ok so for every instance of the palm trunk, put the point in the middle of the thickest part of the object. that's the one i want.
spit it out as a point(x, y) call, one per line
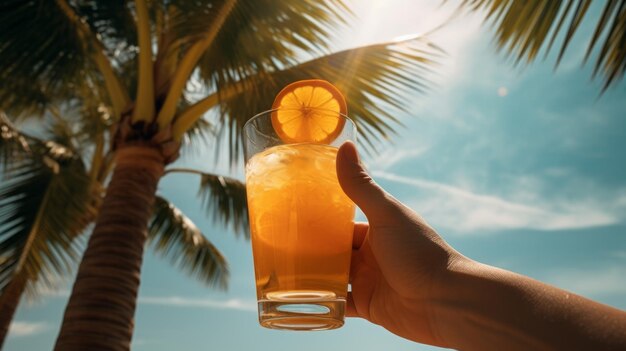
point(100, 312)
point(8, 304)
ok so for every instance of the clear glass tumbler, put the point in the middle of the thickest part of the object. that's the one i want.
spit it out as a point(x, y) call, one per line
point(301, 225)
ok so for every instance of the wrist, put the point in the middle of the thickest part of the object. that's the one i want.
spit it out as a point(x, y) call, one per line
point(444, 296)
point(473, 306)
point(480, 307)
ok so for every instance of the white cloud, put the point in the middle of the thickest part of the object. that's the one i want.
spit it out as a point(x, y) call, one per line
point(451, 207)
point(388, 158)
point(594, 283)
point(19, 329)
point(178, 301)
point(619, 254)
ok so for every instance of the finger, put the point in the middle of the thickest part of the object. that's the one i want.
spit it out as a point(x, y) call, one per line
point(351, 307)
point(360, 187)
point(360, 231)
point(356, 261)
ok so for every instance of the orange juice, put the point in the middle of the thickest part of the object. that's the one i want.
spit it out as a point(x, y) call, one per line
point(301, 224)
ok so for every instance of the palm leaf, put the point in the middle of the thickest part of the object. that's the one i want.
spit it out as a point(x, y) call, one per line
point(112, 20)
point(45, 45)
point(375, 79)
point(256, 35)
point(230, 40)
point(268, 35)
point(225, 201)
point(45, 204)
point(14, 145)
point(174, 235)
point(253, 27)
point(201, 134)
point(524, 27)
point(41, 47)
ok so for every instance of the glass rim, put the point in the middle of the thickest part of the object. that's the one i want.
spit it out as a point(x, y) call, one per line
point(266, 112)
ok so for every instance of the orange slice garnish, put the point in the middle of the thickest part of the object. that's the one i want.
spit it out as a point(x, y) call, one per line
point(309, 111)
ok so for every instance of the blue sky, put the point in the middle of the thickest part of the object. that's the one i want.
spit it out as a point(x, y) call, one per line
point(522, 168)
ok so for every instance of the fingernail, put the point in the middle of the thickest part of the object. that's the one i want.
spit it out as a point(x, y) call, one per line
point(351, 152)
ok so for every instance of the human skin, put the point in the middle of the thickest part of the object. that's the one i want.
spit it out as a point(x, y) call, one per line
point(407, 279)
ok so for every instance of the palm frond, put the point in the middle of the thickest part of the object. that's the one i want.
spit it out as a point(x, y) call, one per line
point(280, 30)
point(49, 56)
point(88, 121)
point(256, 36)
point(265, 22)
point(375, 79)
point(201, 134)
point(524, 27)
point(225, 201)
point(112, 20)
point(14, 146)
point(45, 204)
point(41, 54)
point(173, 235)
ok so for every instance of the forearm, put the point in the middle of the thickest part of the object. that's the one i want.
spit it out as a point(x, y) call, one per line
point(484, 308)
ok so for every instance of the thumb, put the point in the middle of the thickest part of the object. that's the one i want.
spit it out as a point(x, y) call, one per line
point(360, 187)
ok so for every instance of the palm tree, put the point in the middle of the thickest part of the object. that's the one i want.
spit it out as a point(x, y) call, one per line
point(524, 27)
point(48, 201)
point(121, 86)
point(42, 177)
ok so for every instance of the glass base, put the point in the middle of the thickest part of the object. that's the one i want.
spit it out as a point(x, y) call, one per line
point(302, 310)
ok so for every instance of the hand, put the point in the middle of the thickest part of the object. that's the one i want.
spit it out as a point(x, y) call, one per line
point(397, 260)
point(407, 279)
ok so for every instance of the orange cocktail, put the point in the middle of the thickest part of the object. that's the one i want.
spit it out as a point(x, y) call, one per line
point(301, 222)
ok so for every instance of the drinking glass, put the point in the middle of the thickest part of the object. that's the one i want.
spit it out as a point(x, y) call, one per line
point(301, 226)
